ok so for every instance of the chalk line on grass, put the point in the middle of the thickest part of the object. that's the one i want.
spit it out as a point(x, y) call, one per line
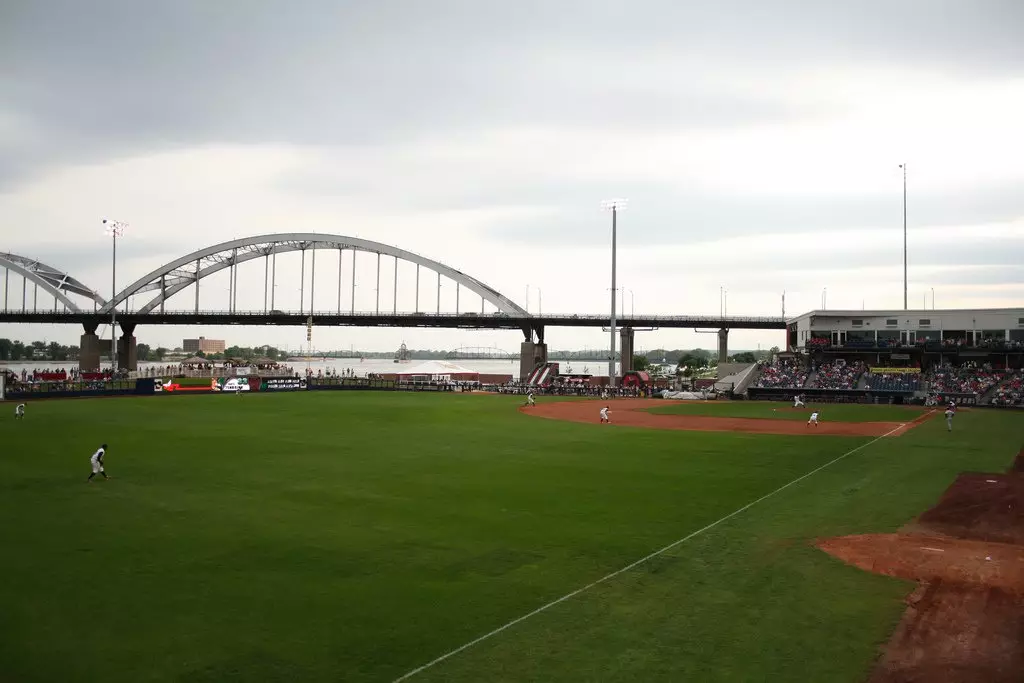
point(617, 572)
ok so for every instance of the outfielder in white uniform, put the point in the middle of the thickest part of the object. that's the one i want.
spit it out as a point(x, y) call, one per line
point(950, 412)
point(798, 401)
point(97, 463)
point(19, 412)
point(814, 419)
point(604, 415)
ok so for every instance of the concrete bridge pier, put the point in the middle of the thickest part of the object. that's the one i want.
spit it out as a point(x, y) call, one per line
point(127, 355)
point(723, 345)
point(89, 349)
point(627, 339)
point(531, 353)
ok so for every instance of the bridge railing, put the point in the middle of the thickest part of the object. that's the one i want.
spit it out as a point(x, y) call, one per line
point(711, 319)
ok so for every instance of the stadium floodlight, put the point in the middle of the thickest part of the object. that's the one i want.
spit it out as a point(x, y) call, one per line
point(904, 167)
point(114, 229)
point(613, 205)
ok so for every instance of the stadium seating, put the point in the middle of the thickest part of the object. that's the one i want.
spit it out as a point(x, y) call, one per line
point(966, 379)
point(839, 375)
point(784, 374)
point(905, 382)
point(1011, 393)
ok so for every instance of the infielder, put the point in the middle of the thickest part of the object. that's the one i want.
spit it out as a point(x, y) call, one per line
point(798, 401)
point(950, 412)
point(19, 412)
point(604, 415)
point(530, 400)
point(97, 463)
point(813, 420)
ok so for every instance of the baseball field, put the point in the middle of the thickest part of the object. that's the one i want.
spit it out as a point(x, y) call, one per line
point(364, 536)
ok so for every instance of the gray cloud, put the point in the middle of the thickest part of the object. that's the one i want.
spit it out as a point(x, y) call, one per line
point(109, 78)
point(661, 215)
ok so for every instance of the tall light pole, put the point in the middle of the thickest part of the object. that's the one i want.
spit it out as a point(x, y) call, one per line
point(632, 304)
point(614, 205)
point(115, 229)
point(904, 167)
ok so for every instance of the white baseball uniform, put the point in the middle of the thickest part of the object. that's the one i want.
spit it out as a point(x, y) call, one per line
point(97, 461)
point(814, 419)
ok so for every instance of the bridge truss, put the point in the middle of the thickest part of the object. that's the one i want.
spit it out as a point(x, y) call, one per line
point(480, 353)
point(189, 270)
point(53, 281)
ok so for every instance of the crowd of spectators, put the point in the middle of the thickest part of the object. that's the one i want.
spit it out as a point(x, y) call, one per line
point(969, 378)
point(782, 374)
point(568, 389)
point(61, 376)
point(893, 381)
point(1011, 393)
point(839, 375)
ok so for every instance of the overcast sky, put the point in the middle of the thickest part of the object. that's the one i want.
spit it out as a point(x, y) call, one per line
point(758, 144)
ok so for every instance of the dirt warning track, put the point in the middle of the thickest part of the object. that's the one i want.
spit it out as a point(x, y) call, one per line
point(632, 412)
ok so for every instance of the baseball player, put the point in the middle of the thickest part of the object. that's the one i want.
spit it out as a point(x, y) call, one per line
point(97, 463)
point(813, 420)
point(19, 412)
point(530, 401)
point(604, 415)
point(798, 401)
point(950, 412)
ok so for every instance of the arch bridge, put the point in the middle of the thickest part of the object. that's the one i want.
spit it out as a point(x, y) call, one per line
point(182, 280)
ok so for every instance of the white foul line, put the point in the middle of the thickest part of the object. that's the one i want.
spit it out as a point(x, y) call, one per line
point(615, 573)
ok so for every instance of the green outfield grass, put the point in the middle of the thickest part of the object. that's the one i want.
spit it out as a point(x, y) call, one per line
point(354, 536)
point(774, 410)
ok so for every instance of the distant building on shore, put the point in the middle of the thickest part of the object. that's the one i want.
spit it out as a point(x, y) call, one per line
point(203, 344)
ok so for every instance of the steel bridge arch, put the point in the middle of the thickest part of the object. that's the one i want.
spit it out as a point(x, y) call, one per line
point(171, 279)
point(52, 280)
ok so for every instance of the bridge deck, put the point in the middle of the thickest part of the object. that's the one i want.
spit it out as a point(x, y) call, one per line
point(447, 320)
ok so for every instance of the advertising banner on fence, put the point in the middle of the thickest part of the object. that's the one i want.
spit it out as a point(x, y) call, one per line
point(193, 384)
point(231, 384)
point(283, 384)
point(896, 371)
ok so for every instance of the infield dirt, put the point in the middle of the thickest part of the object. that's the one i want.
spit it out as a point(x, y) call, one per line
point(965, 622)
point(631, 412)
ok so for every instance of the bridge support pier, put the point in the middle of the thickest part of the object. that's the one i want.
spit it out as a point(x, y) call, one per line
point(627, 338)
point(127, 355)
point(723, 345)
point(89, 349)
point(531, 355)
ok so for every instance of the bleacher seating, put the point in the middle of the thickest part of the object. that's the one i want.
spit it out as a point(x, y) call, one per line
point(1011, 393)
point(966, 379)
point(839, 375)
point(886, 381)
point(784, 374)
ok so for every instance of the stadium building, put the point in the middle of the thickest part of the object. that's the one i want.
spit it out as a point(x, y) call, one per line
point(979, 332)
point(970, 356)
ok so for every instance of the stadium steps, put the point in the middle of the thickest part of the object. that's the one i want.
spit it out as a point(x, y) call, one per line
point(812, 380)
point(747, 378)
point(987, 396)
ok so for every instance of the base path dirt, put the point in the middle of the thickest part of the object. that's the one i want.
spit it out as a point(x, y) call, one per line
point(929, 558)
point(956, 633)
point(633, 412)
point(963, 623)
